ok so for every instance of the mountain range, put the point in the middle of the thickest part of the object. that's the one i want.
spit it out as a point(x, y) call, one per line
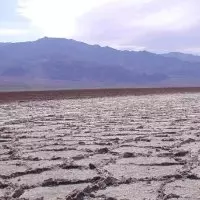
point(56, 63)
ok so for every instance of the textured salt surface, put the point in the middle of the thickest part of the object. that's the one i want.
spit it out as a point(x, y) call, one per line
point(134, 147)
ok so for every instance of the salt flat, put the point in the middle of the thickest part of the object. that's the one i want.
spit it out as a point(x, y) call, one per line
point(133, 148)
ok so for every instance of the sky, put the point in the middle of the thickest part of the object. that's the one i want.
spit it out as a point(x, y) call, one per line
point(152, 25)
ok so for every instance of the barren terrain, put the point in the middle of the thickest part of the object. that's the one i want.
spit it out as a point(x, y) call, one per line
point(108, 148)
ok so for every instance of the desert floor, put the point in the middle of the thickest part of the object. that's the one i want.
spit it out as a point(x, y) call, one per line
point(104, 148)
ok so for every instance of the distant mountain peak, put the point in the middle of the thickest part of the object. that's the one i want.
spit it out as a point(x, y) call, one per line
point(183, 56)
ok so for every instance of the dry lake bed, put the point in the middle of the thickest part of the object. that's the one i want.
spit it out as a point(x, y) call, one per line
point(109, 148)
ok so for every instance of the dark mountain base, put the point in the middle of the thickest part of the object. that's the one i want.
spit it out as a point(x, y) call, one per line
point(89, 93)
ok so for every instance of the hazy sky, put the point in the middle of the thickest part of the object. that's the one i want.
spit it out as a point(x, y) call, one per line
point(154, 25)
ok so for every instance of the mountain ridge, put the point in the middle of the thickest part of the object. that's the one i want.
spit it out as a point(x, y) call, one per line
point(183, 56)
point(52, 60)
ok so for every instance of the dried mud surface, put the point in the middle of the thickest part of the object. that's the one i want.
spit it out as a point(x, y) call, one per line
point(124, 148)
